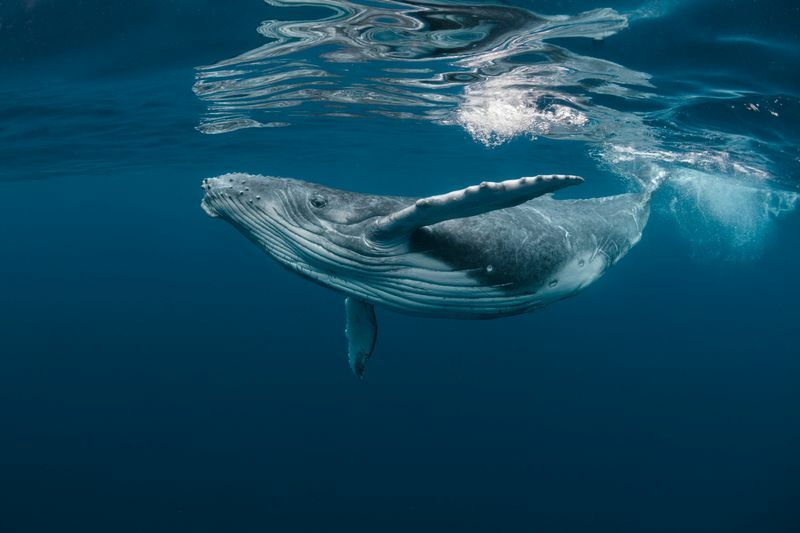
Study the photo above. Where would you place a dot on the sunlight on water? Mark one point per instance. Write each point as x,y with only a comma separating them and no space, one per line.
497,72
447,48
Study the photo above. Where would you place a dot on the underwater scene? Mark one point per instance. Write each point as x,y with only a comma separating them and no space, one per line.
400,265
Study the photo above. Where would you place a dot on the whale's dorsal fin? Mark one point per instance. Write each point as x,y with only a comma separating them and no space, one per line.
361,330
474,200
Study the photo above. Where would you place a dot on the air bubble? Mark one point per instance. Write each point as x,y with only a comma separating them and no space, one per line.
489,268
553,283
581,263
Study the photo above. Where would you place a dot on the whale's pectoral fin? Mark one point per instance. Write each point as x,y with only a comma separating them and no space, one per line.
474,200
361,330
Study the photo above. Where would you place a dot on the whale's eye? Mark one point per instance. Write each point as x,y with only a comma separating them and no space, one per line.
318,201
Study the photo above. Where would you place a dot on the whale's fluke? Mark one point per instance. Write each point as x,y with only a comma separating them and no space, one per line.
361,330
474,200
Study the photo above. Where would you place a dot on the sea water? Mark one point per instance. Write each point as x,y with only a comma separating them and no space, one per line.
159,373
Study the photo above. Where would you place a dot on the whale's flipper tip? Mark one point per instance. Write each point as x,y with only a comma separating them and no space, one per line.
362,331
471,201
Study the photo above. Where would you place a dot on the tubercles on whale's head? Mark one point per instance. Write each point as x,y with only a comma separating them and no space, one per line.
224,194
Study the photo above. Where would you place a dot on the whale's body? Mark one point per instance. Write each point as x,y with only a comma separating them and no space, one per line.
487,251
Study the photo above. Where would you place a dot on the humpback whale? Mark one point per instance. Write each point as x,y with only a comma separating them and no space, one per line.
489,250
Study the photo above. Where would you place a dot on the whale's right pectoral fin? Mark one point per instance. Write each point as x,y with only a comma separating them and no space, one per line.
474,200
361,330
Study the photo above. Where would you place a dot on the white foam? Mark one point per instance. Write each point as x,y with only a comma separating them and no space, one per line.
713,160
725,207
725,217
494,113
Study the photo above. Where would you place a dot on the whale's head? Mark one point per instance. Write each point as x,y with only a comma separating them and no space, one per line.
316,230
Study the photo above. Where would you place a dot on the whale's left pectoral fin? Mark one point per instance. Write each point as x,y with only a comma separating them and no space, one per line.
474,200
361,330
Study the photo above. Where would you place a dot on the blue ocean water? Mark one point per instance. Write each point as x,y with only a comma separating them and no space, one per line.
160,373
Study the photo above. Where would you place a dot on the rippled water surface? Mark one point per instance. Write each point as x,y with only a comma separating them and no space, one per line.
157,372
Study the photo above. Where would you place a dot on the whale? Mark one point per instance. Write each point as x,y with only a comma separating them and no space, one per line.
489,250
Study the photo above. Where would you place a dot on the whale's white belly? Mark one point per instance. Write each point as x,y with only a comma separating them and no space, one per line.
430,288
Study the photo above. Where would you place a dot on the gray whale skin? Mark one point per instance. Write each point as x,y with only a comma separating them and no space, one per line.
486,251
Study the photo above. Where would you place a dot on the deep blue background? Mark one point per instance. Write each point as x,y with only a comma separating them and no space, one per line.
159,373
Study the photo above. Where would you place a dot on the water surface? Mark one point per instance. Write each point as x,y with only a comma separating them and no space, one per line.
159,373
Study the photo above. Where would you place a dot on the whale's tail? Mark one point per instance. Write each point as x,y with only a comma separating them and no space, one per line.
647,178
652,178
722,214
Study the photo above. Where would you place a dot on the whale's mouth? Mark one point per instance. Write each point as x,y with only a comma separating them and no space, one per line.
208,208
207,203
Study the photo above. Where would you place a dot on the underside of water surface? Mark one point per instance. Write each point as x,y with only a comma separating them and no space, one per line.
158,372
